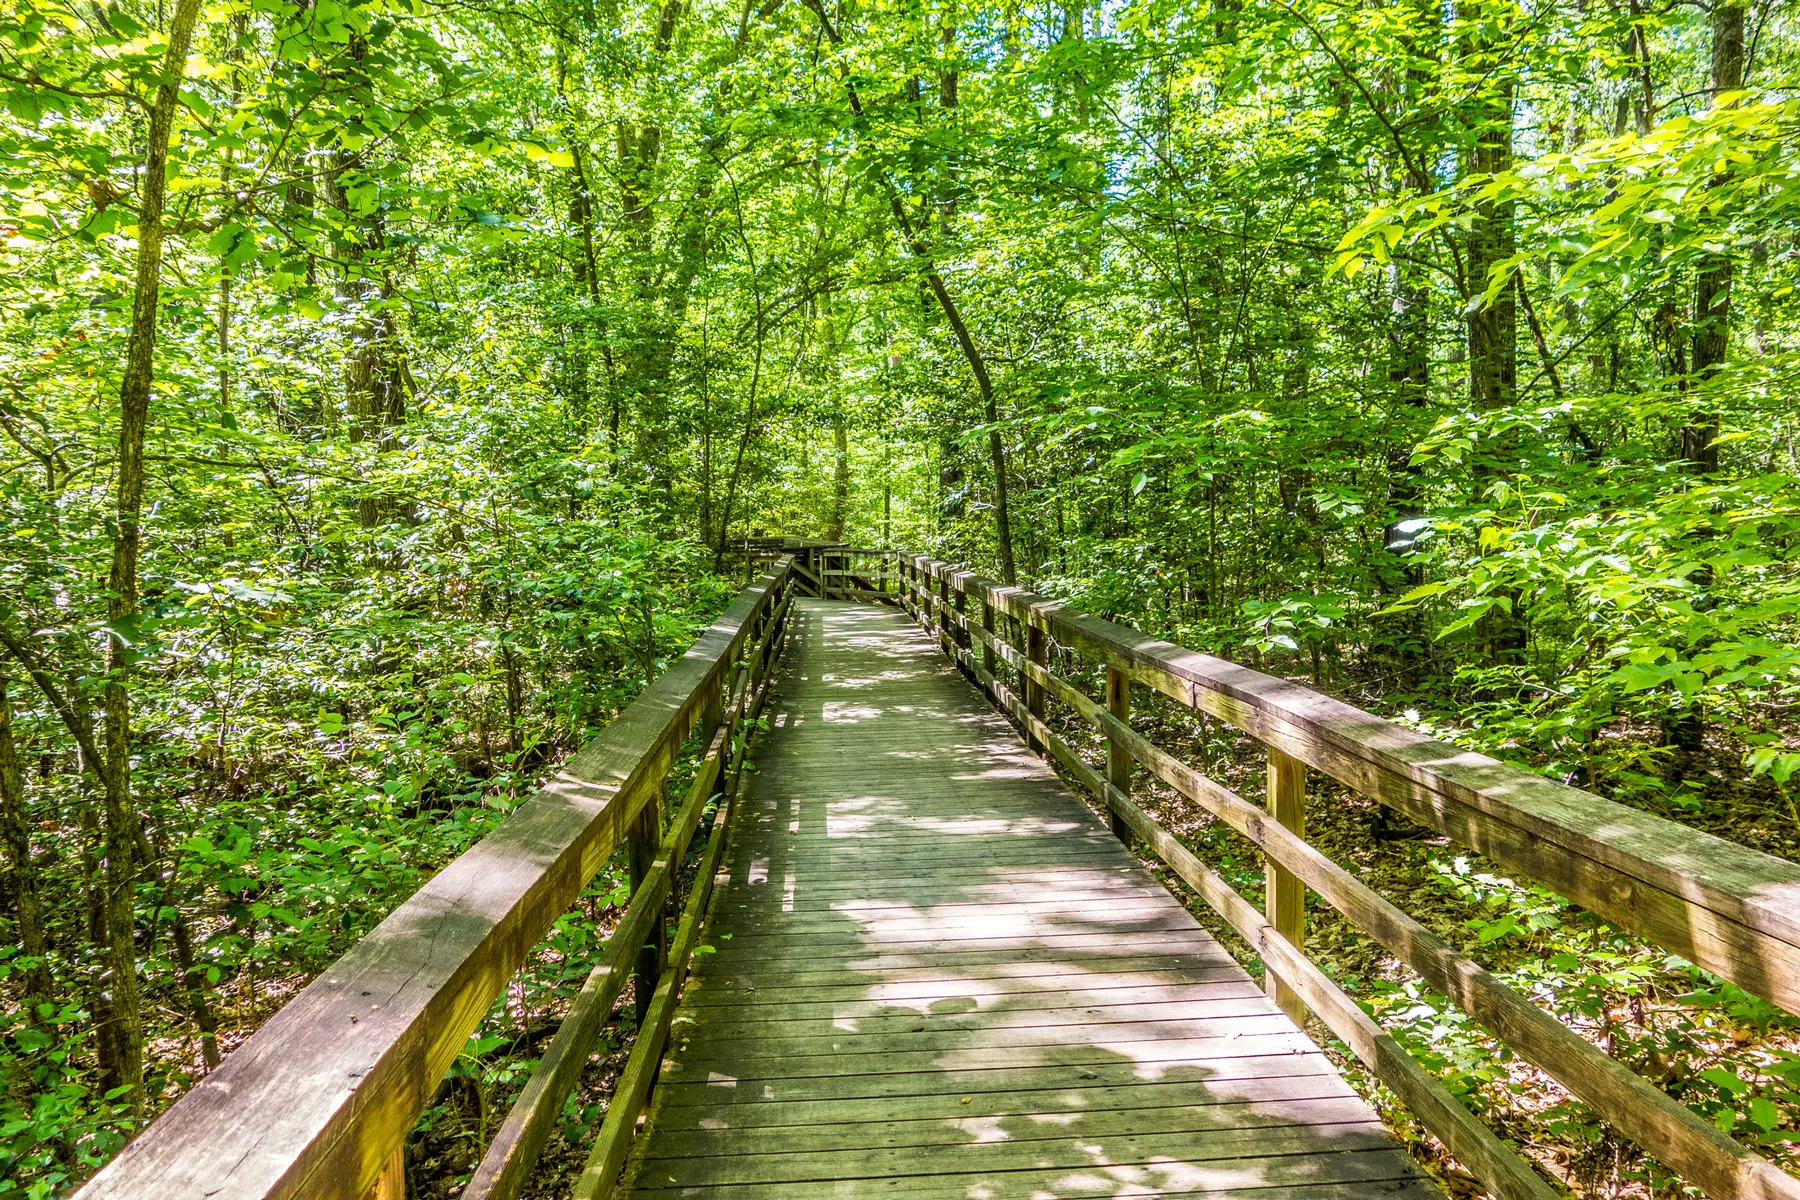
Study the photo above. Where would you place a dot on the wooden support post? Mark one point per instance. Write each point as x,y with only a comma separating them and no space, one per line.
989,662
392,1183
1037,649
1286,895
712,710
1118,758
943,614
646,836
960,634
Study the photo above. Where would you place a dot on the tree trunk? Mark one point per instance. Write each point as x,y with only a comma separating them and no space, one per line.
15,831
376,379
587,275
1009,574
194,980
737,463
1493,325
840,476
122,580
1685,728
1712,283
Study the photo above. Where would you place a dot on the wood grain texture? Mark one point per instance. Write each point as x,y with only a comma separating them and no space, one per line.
315,1103
1286,895
932,969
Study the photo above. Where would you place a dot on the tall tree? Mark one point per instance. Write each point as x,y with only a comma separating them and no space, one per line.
122,581
1712,281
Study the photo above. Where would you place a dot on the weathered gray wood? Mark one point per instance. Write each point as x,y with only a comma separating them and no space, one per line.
802,1165
951,1002
1731,909
1672,1132
1139,977
676,1115
1006,1076
641,846
315,1102
510,1156
897,1128
1669,1130
933,917
506,1166
1368,1175
808,579
1045,1016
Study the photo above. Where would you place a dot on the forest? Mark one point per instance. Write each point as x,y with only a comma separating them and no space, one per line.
388,389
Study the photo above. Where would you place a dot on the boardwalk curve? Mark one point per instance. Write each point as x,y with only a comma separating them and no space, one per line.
934,973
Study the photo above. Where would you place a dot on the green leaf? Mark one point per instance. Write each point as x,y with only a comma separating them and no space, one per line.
1725,1080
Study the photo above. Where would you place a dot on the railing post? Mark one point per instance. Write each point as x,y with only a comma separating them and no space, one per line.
960,635
1037,649
712,712
645,839
988,661
391,1184
943,614
1118,758
1286,895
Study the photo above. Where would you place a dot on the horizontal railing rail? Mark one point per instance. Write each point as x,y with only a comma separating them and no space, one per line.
1729,909
319,1101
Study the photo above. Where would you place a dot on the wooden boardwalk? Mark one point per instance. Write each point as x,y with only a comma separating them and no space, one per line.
934,973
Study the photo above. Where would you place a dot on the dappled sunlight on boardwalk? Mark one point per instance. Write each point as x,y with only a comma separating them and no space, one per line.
935,974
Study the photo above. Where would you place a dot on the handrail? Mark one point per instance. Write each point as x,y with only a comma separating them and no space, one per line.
319,1101
512,1154
1726,907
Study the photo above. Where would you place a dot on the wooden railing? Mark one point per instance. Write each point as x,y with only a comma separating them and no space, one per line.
1729,909
319,1101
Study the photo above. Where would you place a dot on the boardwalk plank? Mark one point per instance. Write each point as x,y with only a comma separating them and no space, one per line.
1007,1074
806,1165
1047,1104
1368,1175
